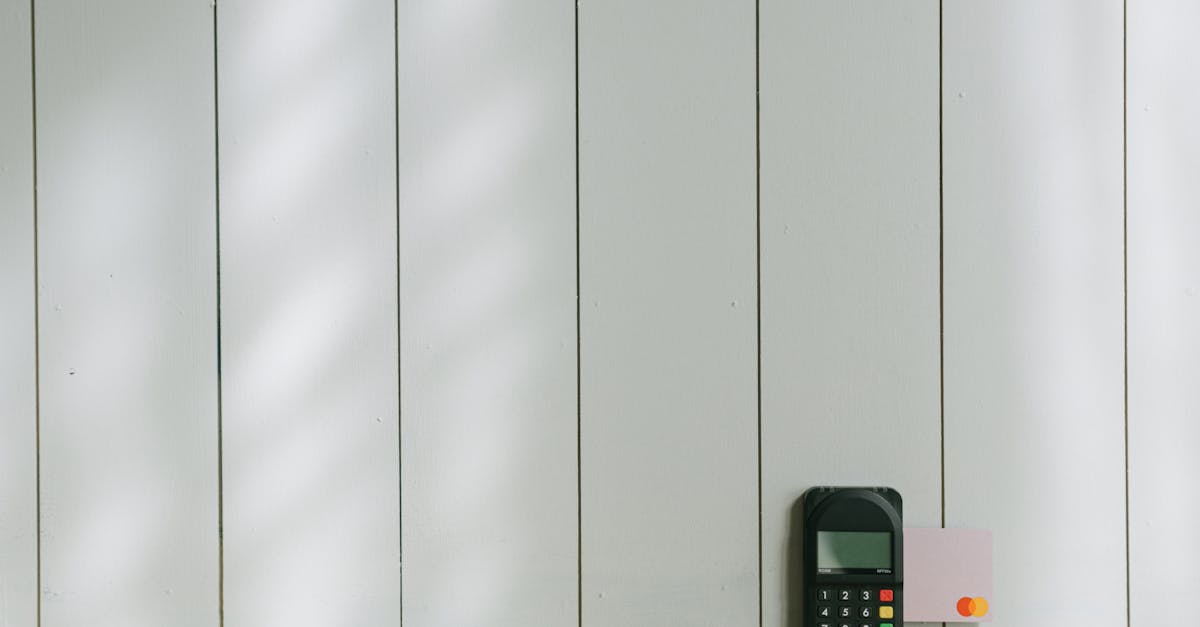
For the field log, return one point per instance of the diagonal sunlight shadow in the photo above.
(309, 314)
(487, 206)
(127, 316)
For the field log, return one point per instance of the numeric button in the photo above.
(865, 595)
(824, 611)
(824, 595)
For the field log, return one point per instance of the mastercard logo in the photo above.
(972, 606)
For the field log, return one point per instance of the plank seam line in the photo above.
(941, 271)
(941, 260)
(578, 357)
(37, 332)
(1125, 283)
(220, 388)
(758, 289)
(399, 360)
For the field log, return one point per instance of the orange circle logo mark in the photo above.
(972, 606)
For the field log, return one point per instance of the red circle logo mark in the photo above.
(972, 606)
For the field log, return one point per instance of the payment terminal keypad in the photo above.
(856, 606)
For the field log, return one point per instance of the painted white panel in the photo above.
(1034, 317)
(1164, 307)
(18, 444)
(128, 329)
(488, 341)
(308, 313)
(850, 388)
(667, 245)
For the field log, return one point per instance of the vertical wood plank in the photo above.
(18, 394)
(1164, 279)
(128, 332)
(1034, 301)
(667, 265)
(849, 262)
(309, 351)
(488, 334)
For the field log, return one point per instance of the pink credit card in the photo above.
(947, 575)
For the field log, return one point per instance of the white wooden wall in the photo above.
(1163, 307)
(127, 314)
(1033, 301)
(668, 437)
(524, 312)
(849, 250)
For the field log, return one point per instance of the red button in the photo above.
(885, 595)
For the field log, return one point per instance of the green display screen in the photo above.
(838, 550)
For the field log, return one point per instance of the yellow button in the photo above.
(885, 611)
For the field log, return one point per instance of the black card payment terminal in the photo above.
(853, 558)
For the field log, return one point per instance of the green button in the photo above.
(886, 625)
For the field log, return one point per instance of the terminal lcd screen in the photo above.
(838, 550)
